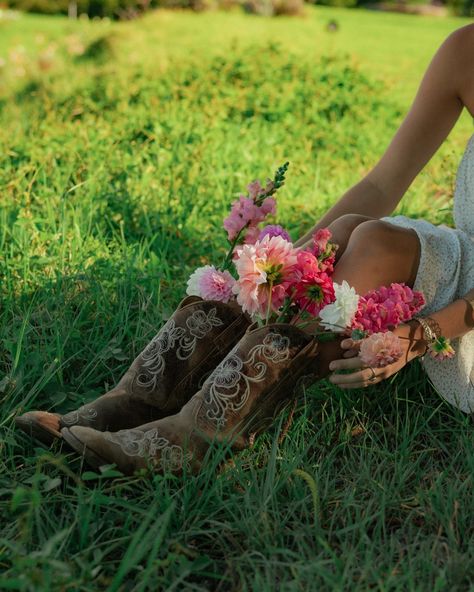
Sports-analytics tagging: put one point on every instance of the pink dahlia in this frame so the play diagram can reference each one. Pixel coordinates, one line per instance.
(265, 271)
(380, 349)
(211, 284)
(312, 289)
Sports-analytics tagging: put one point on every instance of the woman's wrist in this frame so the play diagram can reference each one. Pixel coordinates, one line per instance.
(418, 343)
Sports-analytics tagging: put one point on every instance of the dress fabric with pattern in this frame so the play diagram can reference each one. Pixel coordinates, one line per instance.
(445, 273)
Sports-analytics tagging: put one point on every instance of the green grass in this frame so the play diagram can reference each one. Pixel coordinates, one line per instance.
(116, 169)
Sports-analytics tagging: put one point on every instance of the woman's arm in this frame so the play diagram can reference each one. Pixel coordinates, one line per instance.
(439, 101)
(455, 320)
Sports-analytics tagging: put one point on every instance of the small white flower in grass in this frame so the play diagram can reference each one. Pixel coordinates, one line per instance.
(339, 314)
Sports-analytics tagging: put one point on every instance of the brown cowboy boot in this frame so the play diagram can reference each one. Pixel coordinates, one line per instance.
(162, 378)
(241, 397)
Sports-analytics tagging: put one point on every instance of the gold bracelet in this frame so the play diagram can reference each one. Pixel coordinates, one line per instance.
(431, 328)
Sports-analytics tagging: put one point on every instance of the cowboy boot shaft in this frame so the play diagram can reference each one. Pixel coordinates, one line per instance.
(162, 378)
(169, 370)
(255, 380)
(242, 395)
(183, 352)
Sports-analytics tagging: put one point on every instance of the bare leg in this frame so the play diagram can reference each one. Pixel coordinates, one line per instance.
(372, 253)
(376, 254)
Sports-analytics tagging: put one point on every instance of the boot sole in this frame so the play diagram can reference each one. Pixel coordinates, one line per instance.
(91, 457)
(38, 431)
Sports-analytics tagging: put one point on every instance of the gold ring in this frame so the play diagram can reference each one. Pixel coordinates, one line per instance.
(374, 376)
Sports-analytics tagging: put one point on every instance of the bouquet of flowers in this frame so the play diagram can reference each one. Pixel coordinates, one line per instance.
(275, 281)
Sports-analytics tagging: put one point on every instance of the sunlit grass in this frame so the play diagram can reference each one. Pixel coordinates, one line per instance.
(120, 151)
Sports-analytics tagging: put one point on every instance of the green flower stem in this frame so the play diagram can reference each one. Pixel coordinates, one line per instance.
(269, 302)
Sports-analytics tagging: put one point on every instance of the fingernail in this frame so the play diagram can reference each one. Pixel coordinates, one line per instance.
(332, 366)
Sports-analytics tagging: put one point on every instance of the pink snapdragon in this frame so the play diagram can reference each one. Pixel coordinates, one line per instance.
(324, 250)
(211, 284)
(383, 309)
(265, 271)
(249, 211)
(320, 241)
(380, 349)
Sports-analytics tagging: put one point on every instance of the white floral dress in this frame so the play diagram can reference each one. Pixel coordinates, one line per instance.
(445, 273)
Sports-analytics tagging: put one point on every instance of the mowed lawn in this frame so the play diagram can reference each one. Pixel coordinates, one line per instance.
(121, 148)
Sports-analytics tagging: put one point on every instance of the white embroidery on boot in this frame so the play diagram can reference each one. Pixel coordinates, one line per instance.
(150, 444)
(198, 325)
(84, 413)
(228, 388)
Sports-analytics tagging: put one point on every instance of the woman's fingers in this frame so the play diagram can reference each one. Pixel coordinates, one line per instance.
(360, 378)
(347, 364)
(351, 344)
(351, 353)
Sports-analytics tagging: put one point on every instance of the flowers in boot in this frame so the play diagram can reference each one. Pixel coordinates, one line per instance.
(252, 209)
(274, 230)
(340, 314)
(313, 289)
(324, 250)
(211, 284)
(380, 349)
(265, 271)
(245, 213)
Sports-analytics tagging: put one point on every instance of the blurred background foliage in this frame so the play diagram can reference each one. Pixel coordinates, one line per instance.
(128, 9)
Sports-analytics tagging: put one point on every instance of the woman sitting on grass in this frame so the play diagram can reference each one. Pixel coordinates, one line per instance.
(164, 411)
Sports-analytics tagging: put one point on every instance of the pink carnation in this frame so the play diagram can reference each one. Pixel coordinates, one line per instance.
(211, 284)
(313, 289)
(387, 307)
(380, 349)
(265, 270)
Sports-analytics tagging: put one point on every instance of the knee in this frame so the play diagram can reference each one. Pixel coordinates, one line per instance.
(343, 227)
(347, 223)
(377, 237)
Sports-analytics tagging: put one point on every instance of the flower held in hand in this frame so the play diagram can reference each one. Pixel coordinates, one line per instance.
(380, 349)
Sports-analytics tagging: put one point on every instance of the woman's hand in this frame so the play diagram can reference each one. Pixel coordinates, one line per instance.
(361, 376)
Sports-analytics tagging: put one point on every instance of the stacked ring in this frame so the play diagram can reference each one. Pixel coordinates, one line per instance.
(374, 376)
